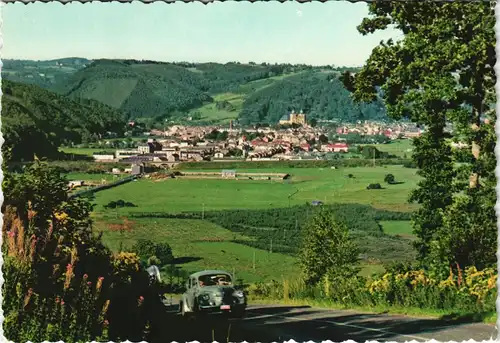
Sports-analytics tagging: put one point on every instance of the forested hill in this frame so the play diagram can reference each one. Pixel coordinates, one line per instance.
(153, 89)
(320, 95)
(37, 121)
(206, 92)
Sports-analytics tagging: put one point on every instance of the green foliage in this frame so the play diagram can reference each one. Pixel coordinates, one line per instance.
(32, 114)
(374, 186)
(217, 135)
(147, 249)
(346, 163)
(371, 152)
(452, 81)
(119, 204)
(389, 178)
(327, 249)
(403, 286)
(62, 283)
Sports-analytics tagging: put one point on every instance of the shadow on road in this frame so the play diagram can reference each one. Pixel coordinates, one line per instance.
(302, 323)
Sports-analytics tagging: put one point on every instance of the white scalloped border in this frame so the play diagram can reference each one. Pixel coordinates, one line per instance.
(497, 206)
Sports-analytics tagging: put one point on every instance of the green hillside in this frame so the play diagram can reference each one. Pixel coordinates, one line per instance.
(321, 95)
(203, 93)
(37, 121)
(46, 74)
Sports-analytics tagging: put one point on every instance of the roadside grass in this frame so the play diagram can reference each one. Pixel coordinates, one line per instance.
(488, 318)
(327, 185)
(401, 228)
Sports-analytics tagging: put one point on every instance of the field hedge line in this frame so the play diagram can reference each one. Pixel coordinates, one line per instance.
(281, 228)
(346, 163)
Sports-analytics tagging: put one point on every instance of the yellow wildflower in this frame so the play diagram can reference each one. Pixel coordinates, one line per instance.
(61, 216)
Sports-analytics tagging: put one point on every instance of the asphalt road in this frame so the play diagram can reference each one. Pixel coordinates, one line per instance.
(302, 323)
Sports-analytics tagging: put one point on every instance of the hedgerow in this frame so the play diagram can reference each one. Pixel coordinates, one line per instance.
(280, 229)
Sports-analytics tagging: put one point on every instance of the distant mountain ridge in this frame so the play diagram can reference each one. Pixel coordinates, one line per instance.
(249, 92)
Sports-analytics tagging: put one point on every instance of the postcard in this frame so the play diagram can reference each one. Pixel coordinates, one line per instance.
(258, 172)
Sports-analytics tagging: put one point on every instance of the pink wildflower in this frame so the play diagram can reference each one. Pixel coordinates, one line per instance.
(85, 276)
(11, 233)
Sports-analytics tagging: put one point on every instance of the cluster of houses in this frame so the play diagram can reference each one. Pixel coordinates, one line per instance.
(188, 143)
(391, 131)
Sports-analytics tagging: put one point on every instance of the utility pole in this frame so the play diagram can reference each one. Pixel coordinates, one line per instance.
(271, 248)
(373, 157)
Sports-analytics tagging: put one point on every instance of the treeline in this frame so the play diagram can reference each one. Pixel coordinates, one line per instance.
(37, 121)
(319, 95)
(338, 163)
(280, 229)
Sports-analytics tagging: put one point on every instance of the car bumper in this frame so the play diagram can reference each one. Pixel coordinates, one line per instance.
(223, 308)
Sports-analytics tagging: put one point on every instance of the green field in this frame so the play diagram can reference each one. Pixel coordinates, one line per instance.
(189, 237)
(205, 246)
(398, 147)
(398, 228)
(327, 185)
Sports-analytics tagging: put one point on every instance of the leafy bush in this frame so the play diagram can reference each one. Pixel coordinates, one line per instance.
(374, 186)
(148, 250)
(119, 204)
(410, 164)
(62, 283)
(389, 178)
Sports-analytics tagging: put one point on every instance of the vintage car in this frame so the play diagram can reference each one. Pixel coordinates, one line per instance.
(212, 291)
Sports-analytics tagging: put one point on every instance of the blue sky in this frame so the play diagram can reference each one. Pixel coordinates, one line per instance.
(313, 33)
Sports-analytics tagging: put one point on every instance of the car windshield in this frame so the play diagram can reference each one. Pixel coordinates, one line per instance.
(214, 280)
